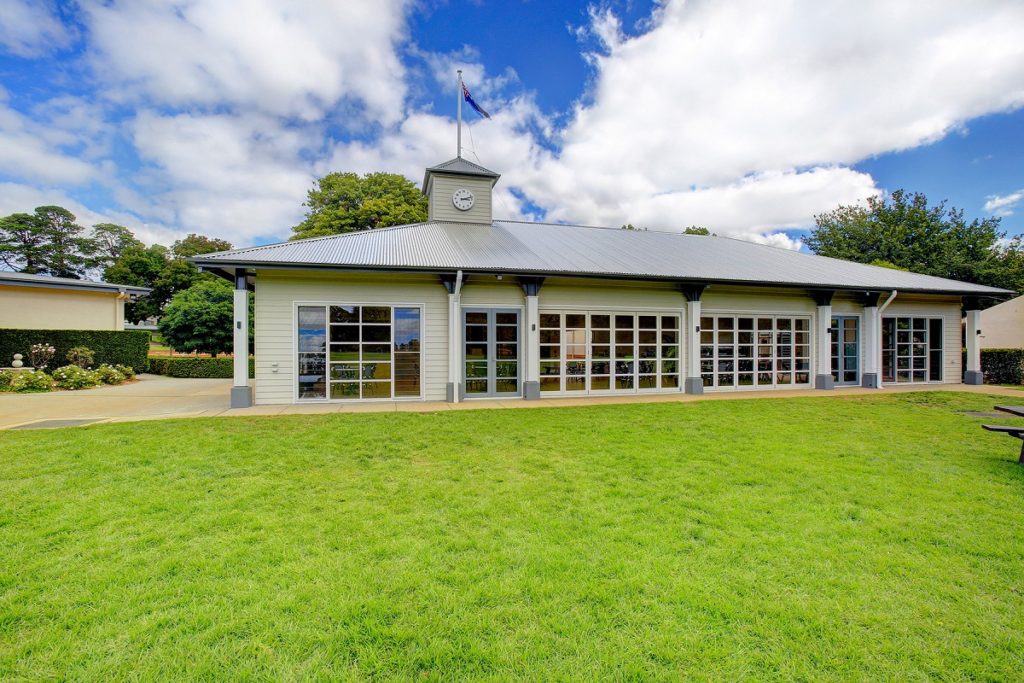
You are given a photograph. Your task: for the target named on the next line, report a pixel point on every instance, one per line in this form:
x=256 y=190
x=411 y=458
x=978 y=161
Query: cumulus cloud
x=297 y=59
x=739 y=116
x=29 y=28
x=1003 y=205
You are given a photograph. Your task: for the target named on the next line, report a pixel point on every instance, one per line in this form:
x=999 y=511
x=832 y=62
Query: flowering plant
x=40 y=355
x=74 y=377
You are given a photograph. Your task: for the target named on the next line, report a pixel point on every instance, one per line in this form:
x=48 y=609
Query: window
x=754 y=351
x=359 y=352
x=583 y=352
x=911 y=349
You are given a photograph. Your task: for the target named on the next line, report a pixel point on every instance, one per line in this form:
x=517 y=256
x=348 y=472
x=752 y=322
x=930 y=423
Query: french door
x=846 y=350
x=491 y=352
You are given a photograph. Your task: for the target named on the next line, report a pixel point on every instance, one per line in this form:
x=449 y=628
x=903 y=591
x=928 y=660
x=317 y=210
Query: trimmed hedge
x=128 y=347
x=196 y=368
x=1003 y=366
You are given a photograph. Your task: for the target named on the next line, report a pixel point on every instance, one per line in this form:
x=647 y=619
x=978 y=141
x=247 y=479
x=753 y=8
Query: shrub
x=34 y=381
x=40 y=354
x=220 y=368
x=1003 y=366
x=6 y=380
x=127 y=371
x=74 y=377
x=108 y=374
x=82 y=356
x=112 y=347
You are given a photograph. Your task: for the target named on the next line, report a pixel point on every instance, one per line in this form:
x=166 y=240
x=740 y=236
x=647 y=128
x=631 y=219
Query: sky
x=747 y=117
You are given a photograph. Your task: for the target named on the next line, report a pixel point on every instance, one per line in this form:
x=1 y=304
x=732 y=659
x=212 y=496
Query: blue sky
x=192 y=116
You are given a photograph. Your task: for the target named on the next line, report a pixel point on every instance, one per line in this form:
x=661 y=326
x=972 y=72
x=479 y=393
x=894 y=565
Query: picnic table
x=1016 y=431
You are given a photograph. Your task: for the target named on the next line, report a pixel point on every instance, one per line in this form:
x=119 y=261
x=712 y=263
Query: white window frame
x=588 y=312
x=927 y=370
x=328 y=304
x=774 y=386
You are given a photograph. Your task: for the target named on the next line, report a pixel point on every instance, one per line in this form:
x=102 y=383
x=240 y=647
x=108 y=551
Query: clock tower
x=460 y=191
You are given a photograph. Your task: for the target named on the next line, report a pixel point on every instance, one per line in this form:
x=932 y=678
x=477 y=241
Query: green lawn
x=862 y=538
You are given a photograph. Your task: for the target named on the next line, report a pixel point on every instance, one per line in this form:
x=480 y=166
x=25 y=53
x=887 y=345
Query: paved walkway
x=155 y=397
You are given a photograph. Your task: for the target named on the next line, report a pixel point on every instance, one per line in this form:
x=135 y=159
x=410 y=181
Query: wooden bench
x=1016 y=431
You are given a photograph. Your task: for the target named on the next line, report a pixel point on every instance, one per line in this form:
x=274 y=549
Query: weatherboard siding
x=933 y=307
x=278 y=292
x=442 y=209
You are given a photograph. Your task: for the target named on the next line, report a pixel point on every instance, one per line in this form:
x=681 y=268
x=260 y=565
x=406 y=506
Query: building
x=41 y=302
x=464 y=307
x=1002 y=326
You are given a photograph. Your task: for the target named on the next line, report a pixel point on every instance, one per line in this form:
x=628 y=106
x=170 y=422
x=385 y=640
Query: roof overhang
x=83 y=286
x=227 y=270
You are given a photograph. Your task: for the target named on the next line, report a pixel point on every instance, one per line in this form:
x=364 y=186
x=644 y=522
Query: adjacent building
x=41 y=302
x=465 y=307
x=1002 y=326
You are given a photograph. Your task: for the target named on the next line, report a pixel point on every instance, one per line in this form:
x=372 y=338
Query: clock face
x=462 y=199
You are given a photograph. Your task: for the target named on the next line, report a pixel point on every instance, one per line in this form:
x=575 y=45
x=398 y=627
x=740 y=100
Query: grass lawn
x=864 y=538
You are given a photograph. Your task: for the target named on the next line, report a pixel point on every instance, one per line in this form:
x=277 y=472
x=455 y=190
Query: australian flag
x=472 y=102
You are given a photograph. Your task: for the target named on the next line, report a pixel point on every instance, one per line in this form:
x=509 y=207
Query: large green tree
x=193 y=245
x=200 y=318
x=48 y=241
x=110 y=241
x=347 y=202
x=903 y=231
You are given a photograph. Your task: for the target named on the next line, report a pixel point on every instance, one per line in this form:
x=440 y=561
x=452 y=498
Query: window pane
x=312 y=329
x=344 y=333
x=346 y=371
x=548 y=352
x=669 y=381
x=377 y=371
x=600 y=321
x=344 y=352
x=344 y=314
x=376 y=314
x=345 y=390
x=477 y=386
x=407 y=329
x=601 y=336
x=476 y=318
x=506 y=386
x=506 y=333
x=407 y=374
x=550 y=383
x=376 y=389
x=599 y=383
x=506 y=368
x=578 y=320
x=376 y=352
x=550 y=320
x=506 y=318
x=312 y=375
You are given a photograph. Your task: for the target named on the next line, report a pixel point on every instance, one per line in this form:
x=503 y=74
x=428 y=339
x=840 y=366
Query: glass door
x=491 y=347
x=846 y=350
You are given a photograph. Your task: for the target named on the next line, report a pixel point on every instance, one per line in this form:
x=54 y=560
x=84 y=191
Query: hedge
x=128 y=347
x=1003 y=366
x=196 y=368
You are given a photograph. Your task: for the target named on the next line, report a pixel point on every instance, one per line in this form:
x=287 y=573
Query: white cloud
x=232 y=176
x=290 y=59
x=34 y=149
x=701 y=118
x=1003 y=205
x=28 y=28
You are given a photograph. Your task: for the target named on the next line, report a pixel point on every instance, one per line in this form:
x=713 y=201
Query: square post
x=241 y=392
x=972 y=332
x=453 y=283
x=872 y=341
x=693 y=384
x=531 y=350
x=823 y=340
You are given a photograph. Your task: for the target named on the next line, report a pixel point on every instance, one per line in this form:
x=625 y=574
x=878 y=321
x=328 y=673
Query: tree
x=140 y=267
x=698 y=230
x=66 y=251
x=48 y=241
x=200 y=318
x=110 y=241
x=22 y=243
x=194 y=244
x=902 y=231
x=347 y=202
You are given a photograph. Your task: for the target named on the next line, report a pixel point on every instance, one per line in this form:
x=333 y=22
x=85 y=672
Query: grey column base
x=869 y=380
x=824 y=382
x=531 y=391
x=241 y=397
x=693 y=385
x=449 y=392
x=974 y=377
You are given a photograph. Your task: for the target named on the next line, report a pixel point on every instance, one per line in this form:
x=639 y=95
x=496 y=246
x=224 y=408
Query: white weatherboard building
x=465 y=307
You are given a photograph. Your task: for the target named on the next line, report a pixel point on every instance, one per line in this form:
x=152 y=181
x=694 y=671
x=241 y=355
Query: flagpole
x=458 y=109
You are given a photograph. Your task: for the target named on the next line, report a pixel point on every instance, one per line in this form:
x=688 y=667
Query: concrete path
x=155 y=397
x=151 y=397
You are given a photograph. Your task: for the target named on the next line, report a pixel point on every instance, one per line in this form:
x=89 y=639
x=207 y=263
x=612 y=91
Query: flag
x=472 y=102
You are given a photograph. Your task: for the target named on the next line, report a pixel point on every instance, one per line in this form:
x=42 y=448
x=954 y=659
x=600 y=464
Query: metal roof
x=34 y=280
x=554 y=249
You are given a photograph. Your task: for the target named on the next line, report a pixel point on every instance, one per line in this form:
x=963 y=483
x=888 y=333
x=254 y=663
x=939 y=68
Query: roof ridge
x=597 y=227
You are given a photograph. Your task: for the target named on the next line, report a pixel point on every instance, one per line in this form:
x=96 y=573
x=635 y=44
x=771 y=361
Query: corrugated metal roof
x=554 y=249
x=34 y=280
